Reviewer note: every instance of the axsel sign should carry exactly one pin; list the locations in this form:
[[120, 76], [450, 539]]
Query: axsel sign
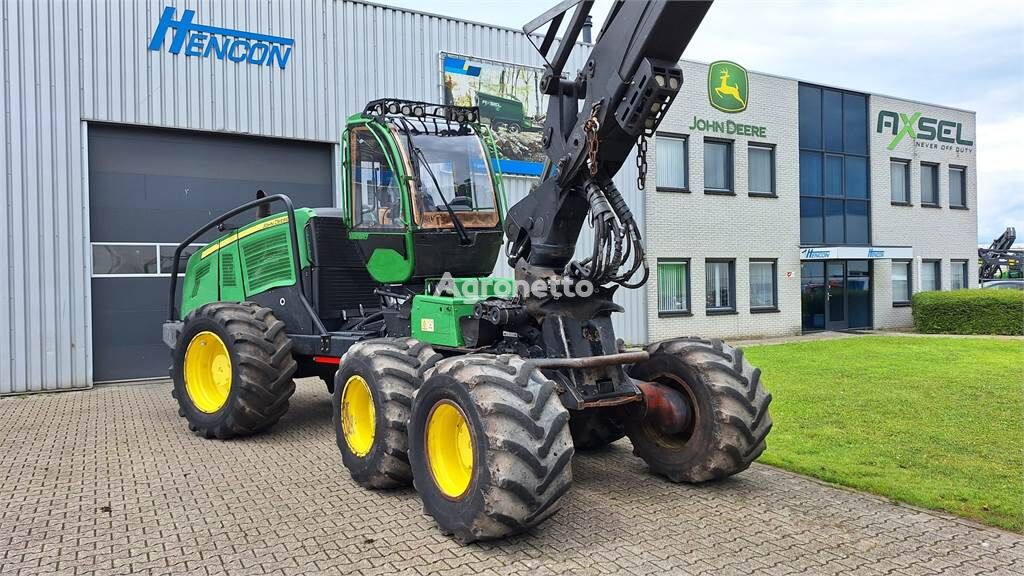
[[945, 134], [205, 41]]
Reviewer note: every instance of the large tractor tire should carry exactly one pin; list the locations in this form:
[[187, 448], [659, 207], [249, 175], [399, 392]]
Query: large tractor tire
[[232, 369], [728, 404], [489, 446], [594, 429], [373, 392]]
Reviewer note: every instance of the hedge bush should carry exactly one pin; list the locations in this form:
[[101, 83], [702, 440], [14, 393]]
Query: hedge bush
[[985, 311]]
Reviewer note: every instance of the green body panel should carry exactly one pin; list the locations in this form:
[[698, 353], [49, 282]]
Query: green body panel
[[387, 266], [253, 259], [435, 319]]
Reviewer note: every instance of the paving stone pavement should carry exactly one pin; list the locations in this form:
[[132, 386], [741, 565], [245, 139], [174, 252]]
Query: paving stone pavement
[[110, 481]]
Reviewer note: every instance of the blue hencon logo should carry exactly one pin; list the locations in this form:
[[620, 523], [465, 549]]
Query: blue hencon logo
[[876, 253], [812, 253], [235, 45]]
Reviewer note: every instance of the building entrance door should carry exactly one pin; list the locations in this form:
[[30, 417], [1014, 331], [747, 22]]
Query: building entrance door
[[835, 294]]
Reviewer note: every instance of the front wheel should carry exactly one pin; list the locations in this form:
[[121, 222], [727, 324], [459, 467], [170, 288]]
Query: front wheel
[[489, 446], [728, 406]]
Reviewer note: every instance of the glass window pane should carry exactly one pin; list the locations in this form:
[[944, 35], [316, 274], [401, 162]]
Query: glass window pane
[[929, 275], [898, 185], [375, 185], [856, 222], [716, 166], [834, 222], [124, 259], [856, 177], [957, 181], [810, 173], [811, 221], [672, 290], [833, 175], [929, 184], [900, 281], [810, 117], [167, 257], [958, 276], [832, 120], [762, 284], [855, 123], [671, 162], [719, 285], [760, 161]]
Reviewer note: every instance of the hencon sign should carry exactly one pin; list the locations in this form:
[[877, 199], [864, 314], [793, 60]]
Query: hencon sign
[[205, 41], [944, 134]]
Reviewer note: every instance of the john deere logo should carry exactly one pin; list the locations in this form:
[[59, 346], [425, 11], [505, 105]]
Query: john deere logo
[[727, 86]]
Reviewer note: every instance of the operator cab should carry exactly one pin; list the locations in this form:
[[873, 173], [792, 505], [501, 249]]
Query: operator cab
[[421, 196]]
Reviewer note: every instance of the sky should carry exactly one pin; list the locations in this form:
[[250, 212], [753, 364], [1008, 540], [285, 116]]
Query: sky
[[961, 54]]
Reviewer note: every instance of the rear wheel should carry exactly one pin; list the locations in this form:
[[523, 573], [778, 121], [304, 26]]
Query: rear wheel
[[373, 392], [232, 369], [489, 446], [728, 405]]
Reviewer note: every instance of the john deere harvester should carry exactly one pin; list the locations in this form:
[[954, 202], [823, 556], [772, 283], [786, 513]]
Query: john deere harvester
[[476, 390]]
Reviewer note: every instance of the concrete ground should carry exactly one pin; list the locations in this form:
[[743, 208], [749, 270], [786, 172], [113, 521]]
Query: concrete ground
[[110, 481]]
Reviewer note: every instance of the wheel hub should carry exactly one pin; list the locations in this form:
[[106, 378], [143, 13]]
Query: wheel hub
[[667, 409], [449, 449], [207, 372], [358, 416]]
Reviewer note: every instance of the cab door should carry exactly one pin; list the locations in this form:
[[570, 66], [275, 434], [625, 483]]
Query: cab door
[[379, 209]]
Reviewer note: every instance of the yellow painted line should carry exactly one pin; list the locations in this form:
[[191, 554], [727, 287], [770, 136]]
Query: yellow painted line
[[242, 234]]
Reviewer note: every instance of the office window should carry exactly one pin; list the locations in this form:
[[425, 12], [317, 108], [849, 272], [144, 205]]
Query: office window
[[834, 179], [720, 285], [762, 284], [761, 170], [899, 181], [672, 161], [717, 166], [929, 184], [958, 186], [901, 281], [931, 275], [674, 286], [958, 275]]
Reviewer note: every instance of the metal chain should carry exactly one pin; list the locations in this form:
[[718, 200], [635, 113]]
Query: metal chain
[[590, 128], [641, 162]]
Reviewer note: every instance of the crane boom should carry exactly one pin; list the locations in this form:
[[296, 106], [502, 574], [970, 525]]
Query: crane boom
[[619, 97]]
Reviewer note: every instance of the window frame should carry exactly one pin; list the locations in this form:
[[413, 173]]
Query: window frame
[[910, 284], [689, 288], [775, 285], [938, 273], [160, 249], [686, 162], [963, 186], [906, 182], [730, 168], [964, 269], [771, 151], [358, 222], [935, 185], [732, 286]]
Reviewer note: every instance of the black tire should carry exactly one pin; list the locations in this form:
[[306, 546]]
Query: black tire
[[729, 406], [393, 369], [593, 429], [522, 448], [261, 369]]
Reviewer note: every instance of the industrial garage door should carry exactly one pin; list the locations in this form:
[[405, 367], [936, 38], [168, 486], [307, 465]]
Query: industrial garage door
[[148, 190]]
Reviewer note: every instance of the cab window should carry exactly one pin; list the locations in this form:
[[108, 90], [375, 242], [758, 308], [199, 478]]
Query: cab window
[[376, 195]]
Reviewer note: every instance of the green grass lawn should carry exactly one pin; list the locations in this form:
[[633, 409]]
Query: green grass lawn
[[935, 422]]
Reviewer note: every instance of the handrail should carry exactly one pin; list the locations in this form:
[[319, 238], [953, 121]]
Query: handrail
[[293, 233]]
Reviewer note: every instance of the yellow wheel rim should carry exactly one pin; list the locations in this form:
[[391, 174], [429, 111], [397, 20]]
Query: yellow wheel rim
[[358, 417], [207, 372], [449, 449]]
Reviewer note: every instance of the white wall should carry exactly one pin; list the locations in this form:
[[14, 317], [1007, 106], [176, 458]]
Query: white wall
[[696, 225]]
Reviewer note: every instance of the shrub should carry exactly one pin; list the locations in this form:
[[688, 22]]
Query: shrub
[[969, 312]]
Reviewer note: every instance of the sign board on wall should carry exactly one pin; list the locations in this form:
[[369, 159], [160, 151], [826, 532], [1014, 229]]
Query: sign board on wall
[[510, 101], [205, 41], [857, 253], [936, 133]]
